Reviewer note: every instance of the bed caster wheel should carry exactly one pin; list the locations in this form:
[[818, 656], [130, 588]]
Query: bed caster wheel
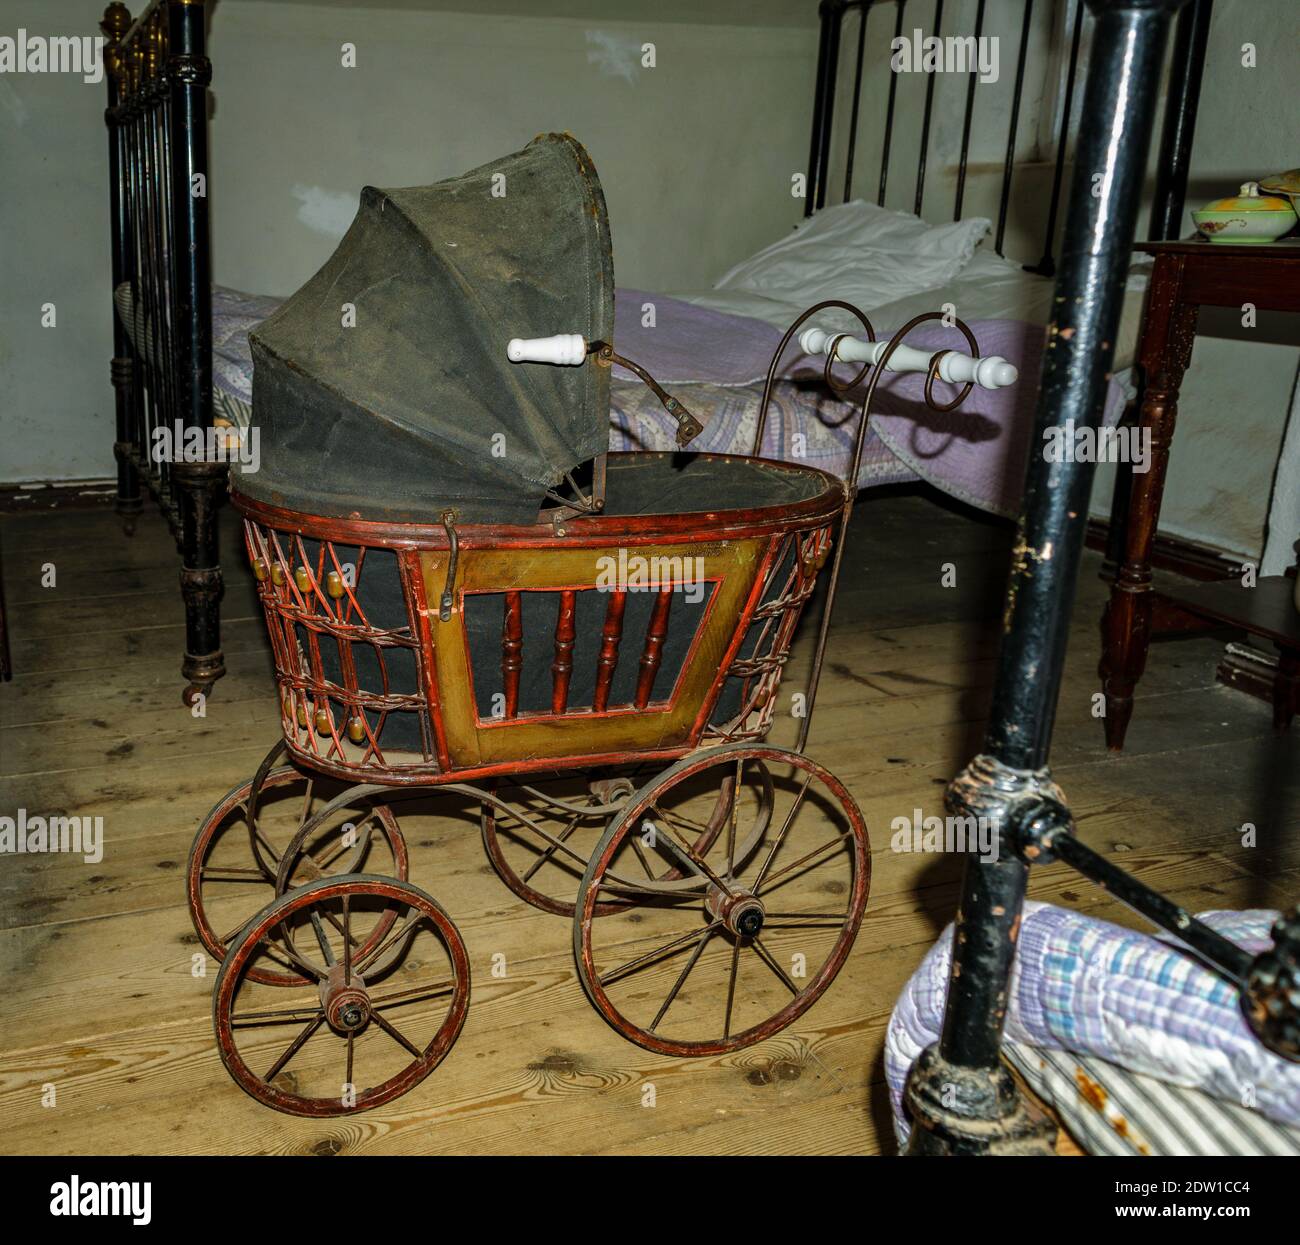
[[372, 1017], [236, 856], [193, 691], [759, 927], [539, 836]]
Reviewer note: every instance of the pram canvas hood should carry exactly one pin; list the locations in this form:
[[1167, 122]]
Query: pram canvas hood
[[382, 389]]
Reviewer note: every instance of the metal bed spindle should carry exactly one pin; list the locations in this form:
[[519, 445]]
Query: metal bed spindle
[[1046, 266], [889, 110], [1017, 92], [972, 79], [924, 145]]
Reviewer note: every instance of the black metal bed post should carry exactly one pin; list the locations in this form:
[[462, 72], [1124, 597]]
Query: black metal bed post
[[1046, 266], [115, 24], [1191, 35], [828, 58], [199, 483], [961, 1097]]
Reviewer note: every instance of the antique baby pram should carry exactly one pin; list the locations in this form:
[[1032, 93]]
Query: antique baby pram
[[468, 598]]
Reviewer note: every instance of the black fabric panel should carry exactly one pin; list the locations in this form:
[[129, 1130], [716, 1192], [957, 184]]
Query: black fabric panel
[[539, 612], [688, 483], [485, 614]]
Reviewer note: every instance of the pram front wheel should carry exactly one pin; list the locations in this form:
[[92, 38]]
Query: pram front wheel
[[540, 834], [373, 1017], [241, 845], [760, 927]]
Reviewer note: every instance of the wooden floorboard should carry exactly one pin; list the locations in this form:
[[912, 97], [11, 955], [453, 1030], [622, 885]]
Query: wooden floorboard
[[101, 1001]]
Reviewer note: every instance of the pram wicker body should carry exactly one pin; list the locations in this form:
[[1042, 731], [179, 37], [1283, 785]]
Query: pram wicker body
[[544, 659]]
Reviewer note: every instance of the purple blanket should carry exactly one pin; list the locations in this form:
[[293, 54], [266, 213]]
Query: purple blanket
[[977, 453]]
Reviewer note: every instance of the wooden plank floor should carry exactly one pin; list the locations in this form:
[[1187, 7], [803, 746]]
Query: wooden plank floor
[[99, 999]]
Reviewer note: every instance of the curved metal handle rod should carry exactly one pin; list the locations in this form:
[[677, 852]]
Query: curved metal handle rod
[[688, 427], [770, 382]]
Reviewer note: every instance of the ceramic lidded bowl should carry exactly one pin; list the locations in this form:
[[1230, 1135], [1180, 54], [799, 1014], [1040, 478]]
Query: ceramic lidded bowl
[[1248, 217]]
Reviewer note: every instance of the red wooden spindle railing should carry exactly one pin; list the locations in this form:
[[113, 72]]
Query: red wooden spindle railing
[[652, 655], [611, 635], [512, 651], [562, 666]]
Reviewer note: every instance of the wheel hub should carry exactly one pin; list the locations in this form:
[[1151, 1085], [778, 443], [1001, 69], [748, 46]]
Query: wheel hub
[[742, 913], [347, 1006]]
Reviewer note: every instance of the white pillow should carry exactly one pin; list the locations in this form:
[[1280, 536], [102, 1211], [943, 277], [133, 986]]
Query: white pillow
[[859, 252]]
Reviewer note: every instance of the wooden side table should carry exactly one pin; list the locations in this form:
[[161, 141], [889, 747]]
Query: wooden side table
[[1187, 276]]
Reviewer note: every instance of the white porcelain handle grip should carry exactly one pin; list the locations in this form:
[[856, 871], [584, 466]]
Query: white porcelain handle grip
[[991, 373], [565, 349]]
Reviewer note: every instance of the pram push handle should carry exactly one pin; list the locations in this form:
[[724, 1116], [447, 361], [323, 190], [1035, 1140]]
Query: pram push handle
[[565, 349], [571, 349], [991, 373]]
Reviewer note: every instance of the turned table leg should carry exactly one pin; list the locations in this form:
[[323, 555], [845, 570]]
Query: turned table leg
[[1165, 352]]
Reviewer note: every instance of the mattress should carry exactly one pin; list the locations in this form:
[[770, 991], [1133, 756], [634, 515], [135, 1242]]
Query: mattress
[[234, 313], [812, 428], [1112, 1112]]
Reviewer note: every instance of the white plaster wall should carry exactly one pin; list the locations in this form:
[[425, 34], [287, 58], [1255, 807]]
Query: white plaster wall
[[695, 155], [56, 402]]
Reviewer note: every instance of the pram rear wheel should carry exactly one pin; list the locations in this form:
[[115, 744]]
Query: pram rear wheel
[[539, 835], [373, 1016], [774, 908], [238, 850]]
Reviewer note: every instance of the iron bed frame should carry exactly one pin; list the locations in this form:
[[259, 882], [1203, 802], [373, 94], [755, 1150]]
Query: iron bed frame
[[157, 117]]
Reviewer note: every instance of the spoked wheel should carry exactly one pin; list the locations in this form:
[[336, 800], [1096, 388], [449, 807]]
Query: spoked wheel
[[240, 848], [761, 923], [540, 835], [374, 1015]]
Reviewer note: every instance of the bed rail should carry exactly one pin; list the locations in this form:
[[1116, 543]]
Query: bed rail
[[1175, 149], [162, 360]]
